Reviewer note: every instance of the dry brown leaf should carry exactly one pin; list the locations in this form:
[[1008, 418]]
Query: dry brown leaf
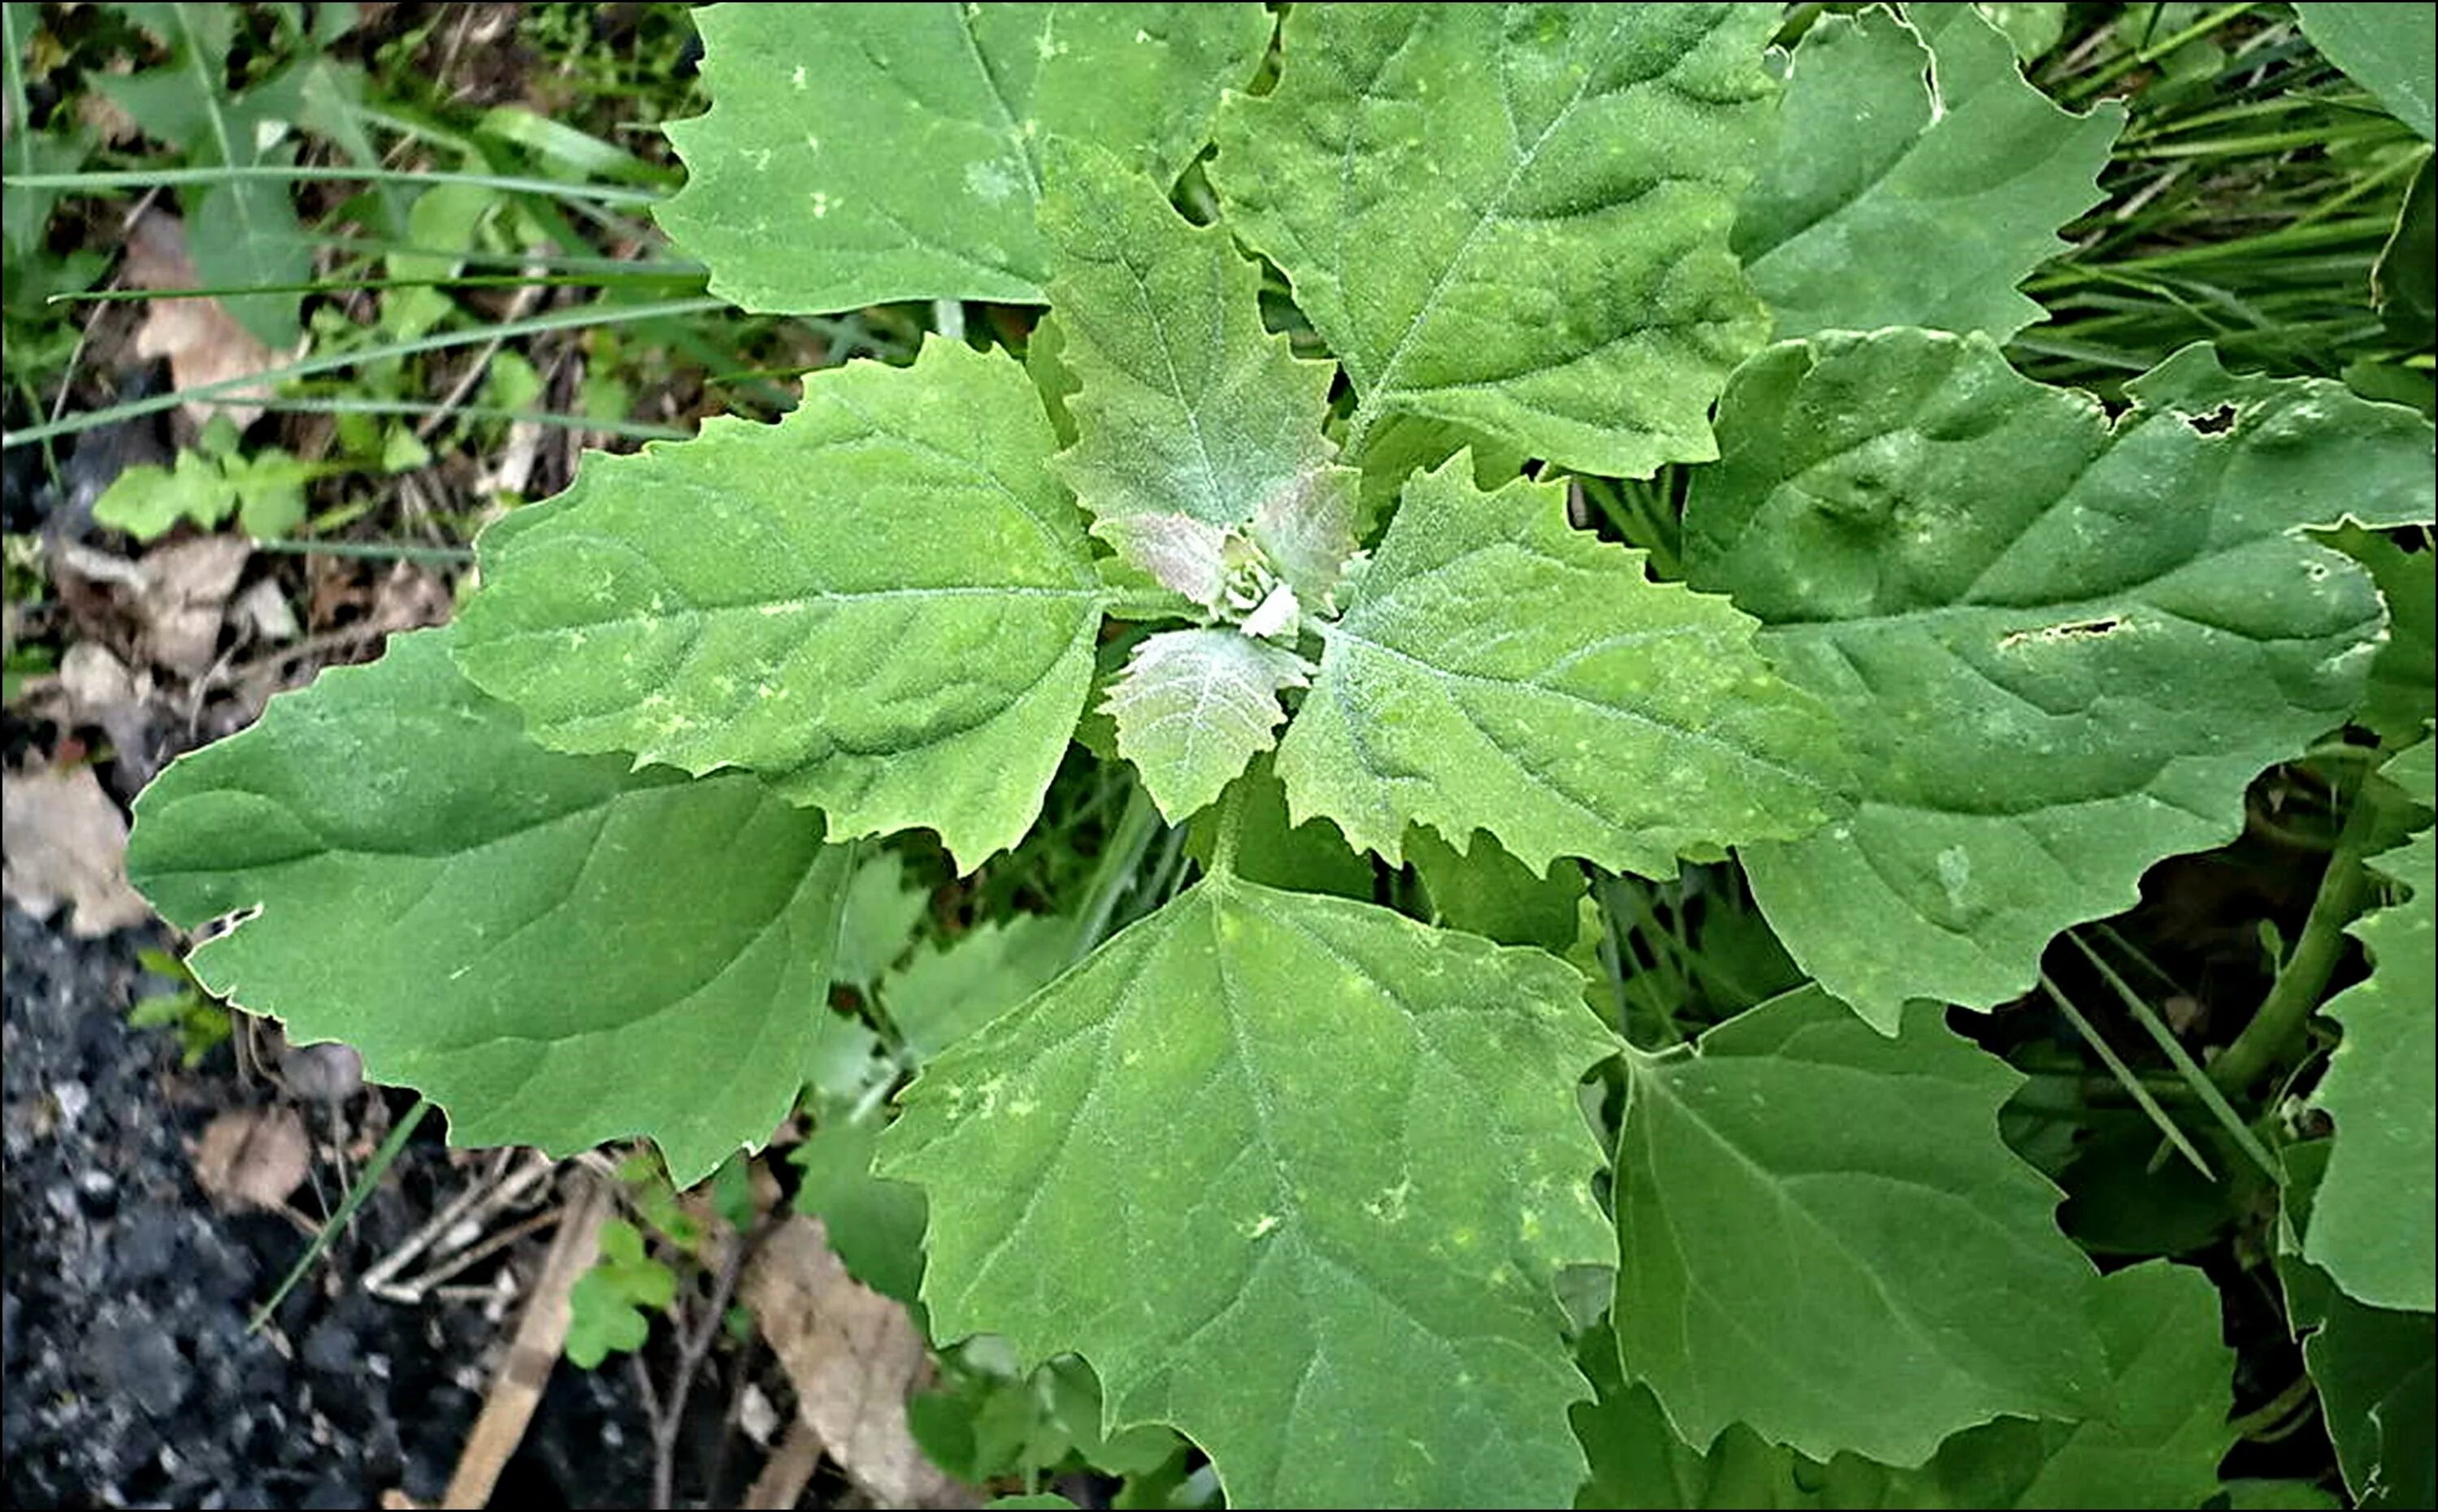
[[854, 1355], [66, 843], [203, 343], [185, 593], [253, 1157], [411, 598]]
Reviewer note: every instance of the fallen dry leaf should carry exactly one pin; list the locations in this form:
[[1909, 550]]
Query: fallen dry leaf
[[253, 1157], [203, 343], [411, 598], [66, 843], [854, 1355], [186, 594]]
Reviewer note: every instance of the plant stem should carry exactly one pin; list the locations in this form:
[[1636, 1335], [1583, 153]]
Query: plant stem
[[1231, 823], [366, 1185], [2187, 1067], [1120, 859], [2269, 1036], [2125, 1078]]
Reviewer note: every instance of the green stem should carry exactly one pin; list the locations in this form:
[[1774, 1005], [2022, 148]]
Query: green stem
[[2125, 1078], [2302, 980], [588, 315], [154, 178], [373, 1170], [2157, 50], [1231, 825], [2187, 1067], [1120, 859]]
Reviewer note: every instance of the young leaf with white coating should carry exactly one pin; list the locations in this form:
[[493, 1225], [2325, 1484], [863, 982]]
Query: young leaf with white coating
[[1916, 180], [2059, 647], [855, 154], [1823, 1236], [1495, 669], [884, 603], [1293, 1174], [1187, 407], [1515, 220], [1193, 706], [508, 930], [2373, 1223]]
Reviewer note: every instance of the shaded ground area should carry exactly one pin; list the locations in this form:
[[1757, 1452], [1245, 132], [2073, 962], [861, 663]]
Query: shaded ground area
[[132, 1378]]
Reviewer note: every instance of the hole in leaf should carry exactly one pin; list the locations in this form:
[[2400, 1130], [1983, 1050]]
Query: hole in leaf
[[2060, 632], [2216, 422]]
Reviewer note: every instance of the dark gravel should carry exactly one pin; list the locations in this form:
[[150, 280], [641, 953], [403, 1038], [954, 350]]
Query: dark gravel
[[130, 1377]]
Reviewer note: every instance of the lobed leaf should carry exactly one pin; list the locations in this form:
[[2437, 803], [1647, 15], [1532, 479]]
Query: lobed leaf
[[1187, 407], [884, 602], [1823, 1236], [1194, 706], [1495, 669], [1295, 1175], [1514, 218], [1916, 180], [857, 154], [2374, 1224], [2059, 647], [555, 949]]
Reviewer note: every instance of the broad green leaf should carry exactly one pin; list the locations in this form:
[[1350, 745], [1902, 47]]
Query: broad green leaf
[[1483, 890], [2033, 27], [1295, 1174], [557, 950], [1915, 179], [2404, 281], [1637, 1462], [1187, 407], [1824, 1237], [1514, 219], [878, 920], [2059, 647], [2173, 1385], [945, 992], [2159, 1448], [855, 154], [876, 1226], [2372, 1228], [2403, 693], [884, 602], [2376, 1370], [1194, 706], [1496, 670], [2390, 50]]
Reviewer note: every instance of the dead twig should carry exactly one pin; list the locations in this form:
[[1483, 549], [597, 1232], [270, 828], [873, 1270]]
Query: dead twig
[[788, 1471], [541, 1333], [693, 1344]]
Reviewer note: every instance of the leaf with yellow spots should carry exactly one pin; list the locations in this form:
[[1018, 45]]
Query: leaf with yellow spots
[[1295, 1175]]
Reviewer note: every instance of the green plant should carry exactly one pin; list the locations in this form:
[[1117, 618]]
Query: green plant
[[1358, 1178], [200, 1020]]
